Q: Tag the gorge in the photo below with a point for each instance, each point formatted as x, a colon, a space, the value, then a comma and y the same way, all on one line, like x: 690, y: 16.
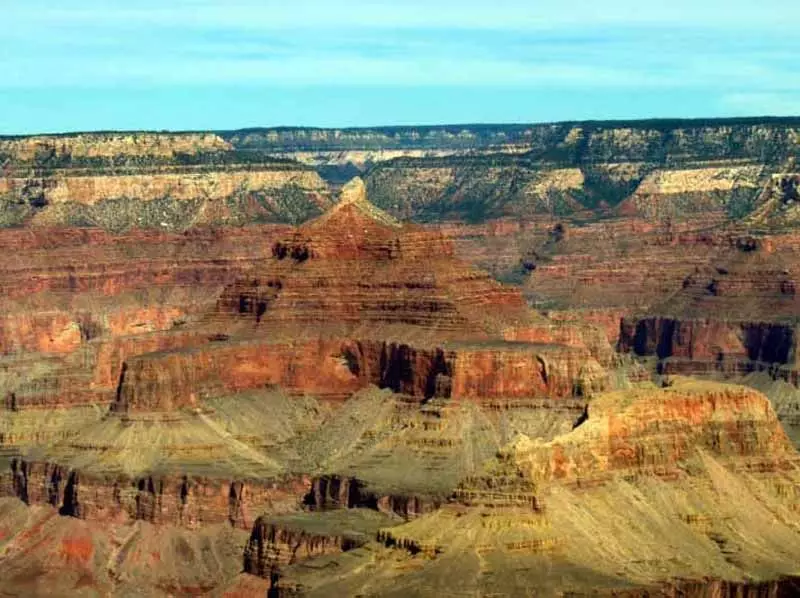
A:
x: 485, y: 360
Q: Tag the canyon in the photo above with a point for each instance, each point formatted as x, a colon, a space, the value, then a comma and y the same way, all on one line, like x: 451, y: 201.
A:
x: 469, y: 360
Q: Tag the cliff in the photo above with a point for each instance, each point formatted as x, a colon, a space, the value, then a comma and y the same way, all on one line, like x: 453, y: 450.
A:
x: 651, y: 493
x: 163, y: 200
x: 736, y: 315
x: 361, y: 392
x: 656, y: 169
x: 354, y: 298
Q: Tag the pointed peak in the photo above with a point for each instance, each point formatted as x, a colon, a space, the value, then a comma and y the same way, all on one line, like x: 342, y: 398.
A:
x: 353, y: 196
x: 354, y: 191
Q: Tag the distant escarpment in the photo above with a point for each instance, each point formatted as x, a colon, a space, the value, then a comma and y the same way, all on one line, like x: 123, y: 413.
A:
x: 165, y: 198
x: 660, y: 170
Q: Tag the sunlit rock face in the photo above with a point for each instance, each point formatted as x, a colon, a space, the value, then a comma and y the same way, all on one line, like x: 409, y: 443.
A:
x: 355, y: 298
x: 342, y: 398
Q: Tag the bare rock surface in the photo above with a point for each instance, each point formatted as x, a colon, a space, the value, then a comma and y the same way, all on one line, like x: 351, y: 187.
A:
x: 523, y: 360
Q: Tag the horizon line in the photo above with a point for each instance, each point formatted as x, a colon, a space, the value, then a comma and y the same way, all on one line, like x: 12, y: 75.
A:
x: 777, y: 119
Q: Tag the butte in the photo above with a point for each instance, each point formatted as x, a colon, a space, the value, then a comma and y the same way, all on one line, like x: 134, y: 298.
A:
x: 352, y: 299
x: 216, y: 425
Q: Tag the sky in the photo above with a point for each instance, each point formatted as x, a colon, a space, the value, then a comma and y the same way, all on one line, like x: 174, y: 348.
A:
x: 78, y: 65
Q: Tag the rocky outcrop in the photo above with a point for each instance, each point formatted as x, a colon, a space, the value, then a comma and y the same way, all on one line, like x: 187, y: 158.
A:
x: 336, y: 368
x: 526, y: 371
x: 777, y: 205
x: 710, y: 340
x: 678, y: 193
x: 656, y: 429
x: 356, y: 265
x: 181, y: 378
x: 272, y: 546
x: 327, y: 315
x: 337, y: 492
x: 181, y: 500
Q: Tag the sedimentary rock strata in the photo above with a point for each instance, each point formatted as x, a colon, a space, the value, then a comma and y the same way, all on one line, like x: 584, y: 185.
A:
x: 234, y: 410
x: 675, y: 472
x: 343, y: 282
x: 93, y: 145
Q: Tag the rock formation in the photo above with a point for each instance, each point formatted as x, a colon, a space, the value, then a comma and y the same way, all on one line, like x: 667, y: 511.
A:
x: 343, y: 398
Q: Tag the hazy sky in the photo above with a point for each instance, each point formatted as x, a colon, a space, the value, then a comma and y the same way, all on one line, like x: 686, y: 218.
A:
x: 203, y: 64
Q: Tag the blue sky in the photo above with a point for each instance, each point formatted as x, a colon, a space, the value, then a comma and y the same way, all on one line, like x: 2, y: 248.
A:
x: 201, y: 64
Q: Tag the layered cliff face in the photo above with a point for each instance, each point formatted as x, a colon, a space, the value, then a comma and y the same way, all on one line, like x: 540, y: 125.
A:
x: 356, y: 265
x: 170, y: 199
x: 521, y: 190
x: 616, y: 266
x: 361, y: 394
x: 655, y: 170
x: 658, y: 169
x: 714, y: 303
x: 777, y: 204
x: 281, y: 541
x: 681, y: 193
x: 148, y: 180
x: 736, y: 315
x: 475, y: 192
x: 354, y: 298
x: 655, y: 430
x: 648, y: 488
x: 37, y: 149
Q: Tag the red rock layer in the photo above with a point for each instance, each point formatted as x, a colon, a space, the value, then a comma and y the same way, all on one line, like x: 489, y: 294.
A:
x: 326, y: 313
x: 736, y: 315
x: 710, y: 340
x: 351, y: 269
x: 177, y: 500
x: 336, y: 368
x: 78, y: 260
x: 622, y: 264
x: 337, y: 492
x: 84, y: 300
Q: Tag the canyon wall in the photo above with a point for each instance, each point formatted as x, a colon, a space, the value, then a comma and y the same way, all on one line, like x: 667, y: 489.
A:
x: 180, y: 500
x: 202, y: 334
x: 655, y: 169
